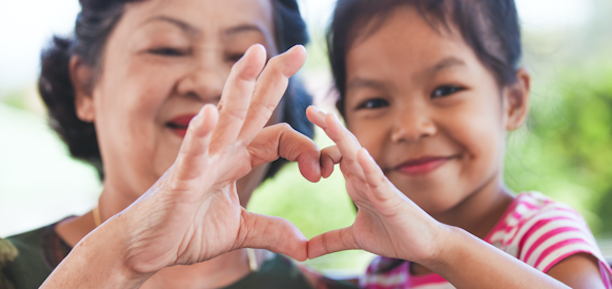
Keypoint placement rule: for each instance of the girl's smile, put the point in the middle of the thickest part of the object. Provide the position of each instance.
(422, 165)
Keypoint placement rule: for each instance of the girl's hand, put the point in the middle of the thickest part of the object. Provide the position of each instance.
(391, 225)
(388, 223)
(193, 213)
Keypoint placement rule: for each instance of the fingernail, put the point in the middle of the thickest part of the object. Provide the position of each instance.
(193, 119)
(319, 111)
(368, 153)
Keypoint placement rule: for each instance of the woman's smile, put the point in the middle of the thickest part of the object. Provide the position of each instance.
(179, 124)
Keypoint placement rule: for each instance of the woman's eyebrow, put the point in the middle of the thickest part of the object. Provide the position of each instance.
(243, 28)
(186, 27)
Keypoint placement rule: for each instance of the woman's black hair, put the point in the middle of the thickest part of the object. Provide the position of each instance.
(489, 27)
(94, 24)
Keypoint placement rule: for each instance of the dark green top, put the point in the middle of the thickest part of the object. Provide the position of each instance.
(27, 259)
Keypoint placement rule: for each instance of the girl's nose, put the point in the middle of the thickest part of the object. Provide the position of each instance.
(411, 126)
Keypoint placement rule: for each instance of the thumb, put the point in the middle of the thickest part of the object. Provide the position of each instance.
(332, 241)
(273, 234)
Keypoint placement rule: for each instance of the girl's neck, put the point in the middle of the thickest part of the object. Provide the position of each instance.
(479, 213)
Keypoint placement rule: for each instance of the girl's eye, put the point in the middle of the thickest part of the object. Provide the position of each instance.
(443, 91)
(373, 104)
(167, 51)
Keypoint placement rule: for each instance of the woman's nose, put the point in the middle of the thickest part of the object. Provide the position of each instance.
(412, 125)
(204, 81)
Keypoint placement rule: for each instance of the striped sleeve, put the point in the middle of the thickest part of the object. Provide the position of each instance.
(553, 234)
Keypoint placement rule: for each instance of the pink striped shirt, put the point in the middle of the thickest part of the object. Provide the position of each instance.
(534, 229)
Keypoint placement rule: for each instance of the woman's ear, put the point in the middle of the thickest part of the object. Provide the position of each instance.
(516, 100)
(81, 77)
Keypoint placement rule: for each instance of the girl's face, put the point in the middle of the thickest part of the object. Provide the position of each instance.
(429, 112)
(164, 60)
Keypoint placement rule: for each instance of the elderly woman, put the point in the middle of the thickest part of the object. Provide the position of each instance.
(122, 92)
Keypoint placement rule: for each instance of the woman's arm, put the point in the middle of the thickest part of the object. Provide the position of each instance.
(193, 213)
(391, 225)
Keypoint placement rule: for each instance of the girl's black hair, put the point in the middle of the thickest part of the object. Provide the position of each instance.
(489, 27)
(94, 24)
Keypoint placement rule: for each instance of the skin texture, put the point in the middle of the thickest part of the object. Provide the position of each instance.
(192, 213)
(432, 98)
(165, 59)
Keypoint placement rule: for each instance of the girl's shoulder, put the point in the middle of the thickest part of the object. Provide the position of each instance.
(542, 232)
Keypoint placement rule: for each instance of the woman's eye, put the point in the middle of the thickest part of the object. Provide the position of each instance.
(235, 57)
(167, 51)
(373, 104)
(443, 91)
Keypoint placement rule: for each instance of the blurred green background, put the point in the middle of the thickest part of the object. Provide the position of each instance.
(564, 151)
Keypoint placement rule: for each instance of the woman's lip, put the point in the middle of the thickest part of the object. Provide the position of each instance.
(178, 124)
(422, 166)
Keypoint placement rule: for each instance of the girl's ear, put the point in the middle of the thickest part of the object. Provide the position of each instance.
(516, 100)
(81, 77)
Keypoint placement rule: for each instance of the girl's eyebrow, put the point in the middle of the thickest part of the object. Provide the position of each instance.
(444, 64)
(364, 83)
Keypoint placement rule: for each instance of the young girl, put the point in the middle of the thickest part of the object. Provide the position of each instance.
(429, 90)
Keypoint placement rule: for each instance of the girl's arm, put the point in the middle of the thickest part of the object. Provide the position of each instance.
(193, 214)
(391, 225)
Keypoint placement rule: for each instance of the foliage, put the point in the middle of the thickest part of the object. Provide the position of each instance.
(565, 150)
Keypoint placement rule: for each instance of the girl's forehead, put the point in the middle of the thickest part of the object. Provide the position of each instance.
(406, 42)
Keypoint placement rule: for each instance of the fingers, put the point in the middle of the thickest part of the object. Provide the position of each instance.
(330, 156)
(273, 234)
(316, 116)
(347, 143)
(332, 241)
(378, 183)
(195, 146)
(270, 88)
(283, 141)
(237, 93)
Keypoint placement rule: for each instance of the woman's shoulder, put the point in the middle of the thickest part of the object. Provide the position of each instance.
(31, 256)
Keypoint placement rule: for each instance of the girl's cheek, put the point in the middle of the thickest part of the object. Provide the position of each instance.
(372, 135)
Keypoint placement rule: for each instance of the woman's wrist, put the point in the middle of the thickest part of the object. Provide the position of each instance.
(98, 261)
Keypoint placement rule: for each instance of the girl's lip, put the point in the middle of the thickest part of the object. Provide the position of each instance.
(422, 166)
(179, 124)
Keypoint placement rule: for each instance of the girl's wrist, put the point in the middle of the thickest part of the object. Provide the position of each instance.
(441, 247)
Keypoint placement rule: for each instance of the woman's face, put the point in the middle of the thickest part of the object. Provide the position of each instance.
(430, 113)
(164, 60)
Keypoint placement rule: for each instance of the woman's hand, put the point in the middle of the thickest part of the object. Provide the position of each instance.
(193, 213)
(387, 223)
